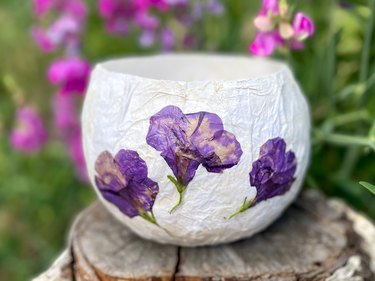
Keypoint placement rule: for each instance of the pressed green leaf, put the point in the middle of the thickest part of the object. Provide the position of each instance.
(367, 185)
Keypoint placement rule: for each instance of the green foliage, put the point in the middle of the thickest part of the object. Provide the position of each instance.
(39, 194)
(369, 186)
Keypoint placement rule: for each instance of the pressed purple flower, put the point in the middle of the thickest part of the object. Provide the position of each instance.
(272, 173)
(29, 135)
(71, 74)
(123, 181)
(189, 140)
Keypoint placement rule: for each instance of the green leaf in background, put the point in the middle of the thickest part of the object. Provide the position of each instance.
(371, 134)
(369, 186)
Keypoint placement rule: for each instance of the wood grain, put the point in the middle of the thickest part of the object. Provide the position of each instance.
(316, 239)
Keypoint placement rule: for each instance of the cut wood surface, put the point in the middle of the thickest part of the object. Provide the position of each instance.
(316, 239)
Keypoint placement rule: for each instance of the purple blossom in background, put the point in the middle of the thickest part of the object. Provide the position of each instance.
(303, 26)
(65, 112)
(273, 173)
(123, 181)
(42, 39)
(215, 7)
(76, 8)
(269, 7)
(275, 30)
(71, 74)
(265, 43)
(124, 16)
(67, 121)
(74, 145)
(117, 14)
(147, 38)
(189, 140)
(167, 39)
(29, 135)
(41, 7)
(65, 29)
(62, 23)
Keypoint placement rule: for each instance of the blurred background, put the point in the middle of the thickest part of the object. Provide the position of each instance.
(43, 187)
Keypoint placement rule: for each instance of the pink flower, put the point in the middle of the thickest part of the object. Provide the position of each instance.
(167, 39)
(42, 6)
(303, 26)
(67, 122)
(42, 40)
(147, 38)
(118, 14)
(63, 31)
(65, 112)
(161, 5)
(71, 74)
(270, 6)
(74, 144)
(275, 28)
(77, 8)
(147, 21)
(29, 135)
(265, 43)
(264, 23)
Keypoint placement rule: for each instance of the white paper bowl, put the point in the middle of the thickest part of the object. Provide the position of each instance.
(257, 100)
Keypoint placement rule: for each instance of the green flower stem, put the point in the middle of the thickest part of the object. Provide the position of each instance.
(11, 86)
(245, 205)
(149, 217)
(352, 154)
(365, 59)
(344, 140)
(343, 119)
(181, 190)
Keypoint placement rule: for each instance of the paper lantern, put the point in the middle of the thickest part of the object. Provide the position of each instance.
(195, 149)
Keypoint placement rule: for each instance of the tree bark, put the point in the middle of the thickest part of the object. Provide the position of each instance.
(316, 239)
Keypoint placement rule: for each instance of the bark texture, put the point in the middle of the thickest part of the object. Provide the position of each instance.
(316, 239)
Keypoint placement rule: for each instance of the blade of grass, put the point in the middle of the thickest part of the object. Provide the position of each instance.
(368, 186)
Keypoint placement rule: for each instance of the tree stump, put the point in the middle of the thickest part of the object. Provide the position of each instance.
(316, 239)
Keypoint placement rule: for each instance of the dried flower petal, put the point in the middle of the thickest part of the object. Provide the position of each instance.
(123, 181)
(186, 141)
(273, 172)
